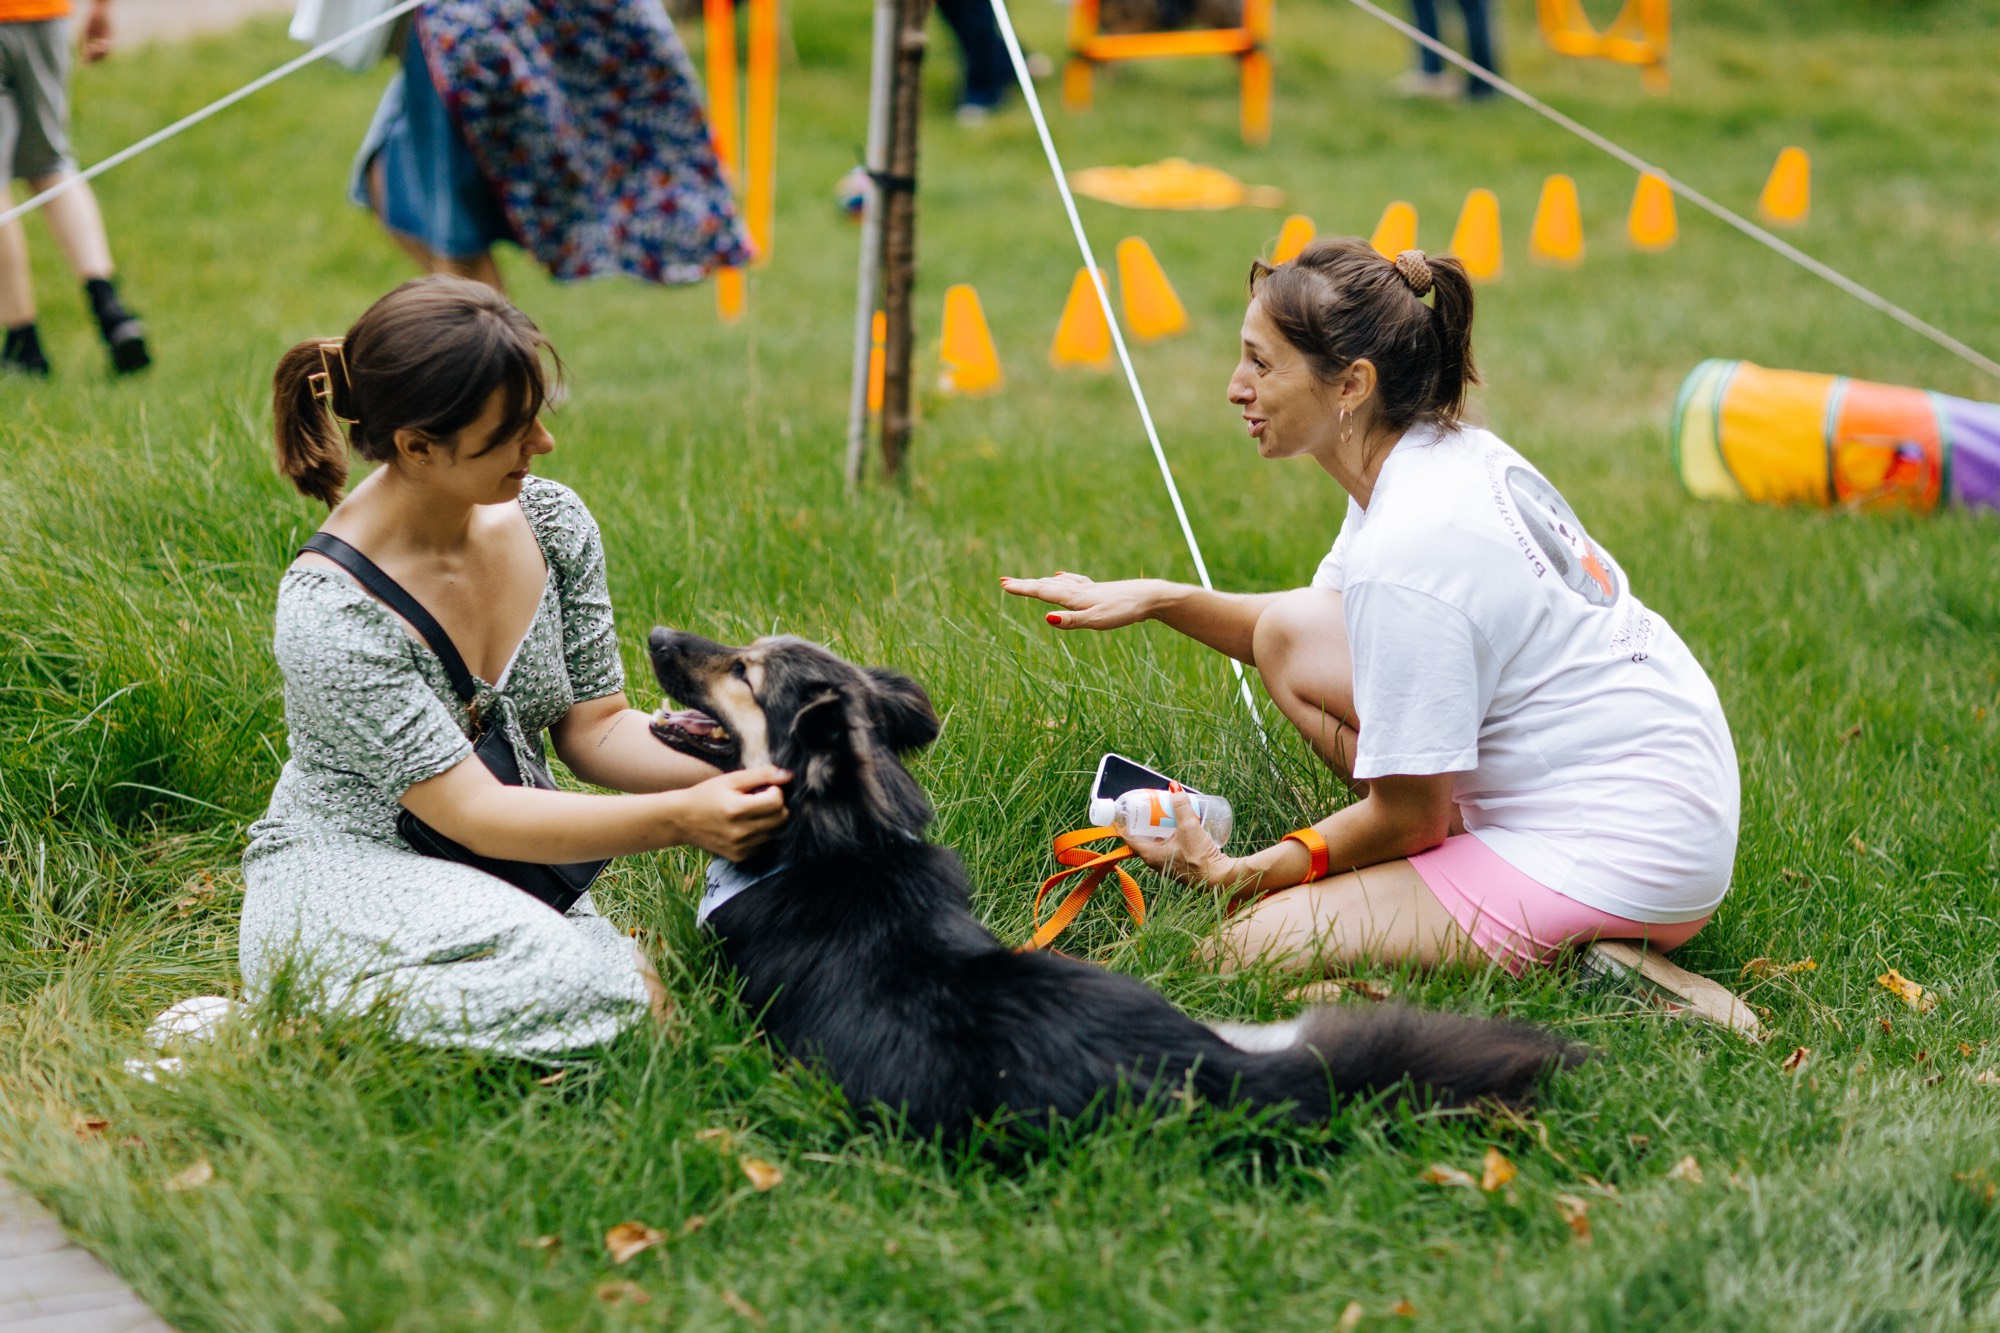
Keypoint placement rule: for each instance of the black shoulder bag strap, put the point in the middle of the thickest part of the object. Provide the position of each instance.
(390, 593)
(557, 885)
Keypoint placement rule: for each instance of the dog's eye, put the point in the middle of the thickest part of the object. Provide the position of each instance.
(738, 670)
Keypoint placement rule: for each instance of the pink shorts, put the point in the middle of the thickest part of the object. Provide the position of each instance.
(1518, 922)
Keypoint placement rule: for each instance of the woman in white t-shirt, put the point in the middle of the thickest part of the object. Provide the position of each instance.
(1539, 759)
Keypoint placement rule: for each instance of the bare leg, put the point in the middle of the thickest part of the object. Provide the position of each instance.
(1385, 913)
(479, 267)
(1303, 656)
(661, 1003)
(78, 228)
(17, 290)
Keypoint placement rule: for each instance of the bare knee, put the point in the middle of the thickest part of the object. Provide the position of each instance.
(1300, 646)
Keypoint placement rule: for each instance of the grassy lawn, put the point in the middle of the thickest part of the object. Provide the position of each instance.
(361, 1183)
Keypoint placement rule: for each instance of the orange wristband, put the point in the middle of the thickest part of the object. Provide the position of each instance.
(1315, 848)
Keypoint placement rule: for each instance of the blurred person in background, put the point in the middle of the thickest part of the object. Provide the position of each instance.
(34, 147)
(1429, 79)
(573, 128)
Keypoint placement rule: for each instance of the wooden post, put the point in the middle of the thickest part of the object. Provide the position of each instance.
(899, 228)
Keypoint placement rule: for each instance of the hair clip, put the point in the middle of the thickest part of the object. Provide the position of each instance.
(321, 383)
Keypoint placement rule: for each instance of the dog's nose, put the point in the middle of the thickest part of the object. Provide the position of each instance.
(661, 638)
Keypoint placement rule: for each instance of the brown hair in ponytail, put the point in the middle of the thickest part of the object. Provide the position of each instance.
(1340, 301)
(426, 357)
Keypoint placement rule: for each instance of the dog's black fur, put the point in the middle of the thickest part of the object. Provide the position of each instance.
(864, 957)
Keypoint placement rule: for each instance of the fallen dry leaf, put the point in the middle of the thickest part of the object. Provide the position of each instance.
(1576, 1212)
(1403, 1310)
(1908, 991)
(1447, 1177)
(1792, 876)
(1860, 847)
(88, 1127)
(1965, 1049)
(1987, 1078)
(1352, 1316)
(554, 1078)
(742, 1307)
(628, 1239)
(1368, 990)
(1320, 992)
(1853, 733)
(1495, 1171)
(622, 1292)
(1800, 1057)
(1686, 1169)
(542, 1243)
(763, 1176)
(193, 1178)
(723, 1140)
(1759, 966)
(693, 1224)
(1639, 1142)
(1887, 1026)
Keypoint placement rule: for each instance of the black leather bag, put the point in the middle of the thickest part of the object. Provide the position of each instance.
(557, 885)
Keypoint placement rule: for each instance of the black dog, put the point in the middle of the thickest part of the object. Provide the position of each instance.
(858, 944)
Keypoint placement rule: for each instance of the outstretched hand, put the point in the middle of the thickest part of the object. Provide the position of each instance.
(97, 33)
(1086, 603)
(734, 814)
(1191, 855)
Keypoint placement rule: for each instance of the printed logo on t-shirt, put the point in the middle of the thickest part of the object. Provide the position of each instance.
(1567, 547)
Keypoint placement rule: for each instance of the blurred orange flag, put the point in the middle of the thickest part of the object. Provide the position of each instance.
(1788, 193)
(1557, 236)
(1476, 239)
(878, 360)
(1295, 236)
(1153, 308)
(1397, 231)
(971, 362)
(1651, 223)
(1082, 338)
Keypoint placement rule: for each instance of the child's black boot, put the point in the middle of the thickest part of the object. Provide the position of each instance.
(22, 354)
(123, 333)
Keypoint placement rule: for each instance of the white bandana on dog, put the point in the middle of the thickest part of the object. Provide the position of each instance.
(725, 880)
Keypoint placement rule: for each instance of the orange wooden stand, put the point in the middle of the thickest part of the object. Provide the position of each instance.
(756, 185)
(1089, 48)
(1638, 36)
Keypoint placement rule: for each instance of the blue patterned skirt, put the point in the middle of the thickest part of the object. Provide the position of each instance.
(573, 127)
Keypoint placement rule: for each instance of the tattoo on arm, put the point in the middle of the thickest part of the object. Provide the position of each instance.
(616, 723)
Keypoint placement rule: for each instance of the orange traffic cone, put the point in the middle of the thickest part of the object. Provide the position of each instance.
(1557, 236)
(1294, 236)
(1152, 308)
(1476, 239)
(878, 360)
(1651, 223)
(1397, 231)
(971, 362)
(1788, 194)
(1082, 338)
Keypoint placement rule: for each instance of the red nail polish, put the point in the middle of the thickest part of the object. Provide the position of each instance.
(1054, 619)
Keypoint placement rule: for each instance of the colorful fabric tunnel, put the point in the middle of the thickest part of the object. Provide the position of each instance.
(1742, 432)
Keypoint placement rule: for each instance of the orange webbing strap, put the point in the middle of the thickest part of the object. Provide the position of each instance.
(1316, 869)
(1093, 866)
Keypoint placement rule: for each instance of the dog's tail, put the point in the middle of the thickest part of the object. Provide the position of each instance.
(1336, 1053)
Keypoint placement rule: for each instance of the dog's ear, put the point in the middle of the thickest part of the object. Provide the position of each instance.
(901, 710)
(824, 734)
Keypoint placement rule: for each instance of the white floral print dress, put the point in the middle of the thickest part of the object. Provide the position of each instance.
(462, 958)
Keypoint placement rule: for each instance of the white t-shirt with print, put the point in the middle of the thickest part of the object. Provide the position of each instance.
(1493, 638)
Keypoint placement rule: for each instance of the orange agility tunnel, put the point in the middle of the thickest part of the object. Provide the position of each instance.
(1742, 432)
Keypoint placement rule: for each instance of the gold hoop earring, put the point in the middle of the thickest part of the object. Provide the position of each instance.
(1345, 433)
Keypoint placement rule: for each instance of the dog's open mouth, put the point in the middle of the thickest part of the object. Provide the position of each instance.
(694, 732)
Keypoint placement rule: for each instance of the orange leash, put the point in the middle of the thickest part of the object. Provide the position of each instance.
(1093, 866)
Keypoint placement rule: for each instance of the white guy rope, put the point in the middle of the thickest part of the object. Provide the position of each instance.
(188, 122)
(1692, 195)
(1027, 83)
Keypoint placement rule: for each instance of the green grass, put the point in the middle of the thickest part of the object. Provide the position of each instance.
(364, 1183)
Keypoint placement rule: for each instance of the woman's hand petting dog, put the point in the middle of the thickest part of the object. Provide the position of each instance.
(734, 814)
(1191, 855)
(1088, 604)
